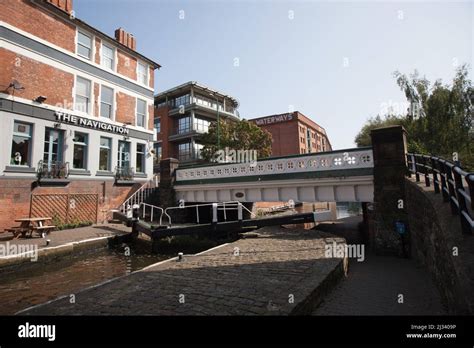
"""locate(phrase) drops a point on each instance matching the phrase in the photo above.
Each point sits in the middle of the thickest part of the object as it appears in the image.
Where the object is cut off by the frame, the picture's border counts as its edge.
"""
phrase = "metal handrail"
(124, 173)
(53, 169)
(223, 205)
(448, 179)
(145, 205)
(137, 197)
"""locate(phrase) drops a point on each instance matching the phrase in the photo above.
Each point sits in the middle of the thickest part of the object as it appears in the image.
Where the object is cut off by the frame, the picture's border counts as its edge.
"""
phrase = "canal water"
(39, 283)
(345, 210)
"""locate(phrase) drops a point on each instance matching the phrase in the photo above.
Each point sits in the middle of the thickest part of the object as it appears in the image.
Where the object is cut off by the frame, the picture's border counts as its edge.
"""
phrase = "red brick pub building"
(76, 107)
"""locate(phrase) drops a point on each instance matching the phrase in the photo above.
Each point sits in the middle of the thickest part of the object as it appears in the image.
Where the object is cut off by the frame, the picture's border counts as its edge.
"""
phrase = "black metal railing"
(52, 170)
(449, 179)
(124, 173)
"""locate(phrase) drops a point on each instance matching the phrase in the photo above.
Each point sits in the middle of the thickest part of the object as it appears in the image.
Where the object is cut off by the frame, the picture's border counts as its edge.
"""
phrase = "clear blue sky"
(296, 62)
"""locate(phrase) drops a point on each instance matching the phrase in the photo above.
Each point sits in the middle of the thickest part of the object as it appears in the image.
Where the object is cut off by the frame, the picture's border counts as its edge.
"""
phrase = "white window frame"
(146, 114)
(90, 103)
(91, 58)
(112, 109)
(147, 68)
(114, 56)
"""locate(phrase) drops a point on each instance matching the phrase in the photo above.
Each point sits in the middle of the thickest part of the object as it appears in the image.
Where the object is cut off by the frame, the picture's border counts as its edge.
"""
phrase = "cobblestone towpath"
(373, 287)
(280, 272)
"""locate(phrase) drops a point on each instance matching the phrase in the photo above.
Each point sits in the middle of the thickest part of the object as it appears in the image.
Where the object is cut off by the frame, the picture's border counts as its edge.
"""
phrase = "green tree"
(439, 120)
(236, 135)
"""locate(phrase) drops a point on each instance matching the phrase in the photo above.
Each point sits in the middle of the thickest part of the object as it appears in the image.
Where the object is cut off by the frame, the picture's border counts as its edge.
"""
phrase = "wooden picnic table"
(29, 225)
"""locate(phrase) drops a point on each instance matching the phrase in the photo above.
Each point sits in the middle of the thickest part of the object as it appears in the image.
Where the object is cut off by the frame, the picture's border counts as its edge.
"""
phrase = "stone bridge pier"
(389, 148)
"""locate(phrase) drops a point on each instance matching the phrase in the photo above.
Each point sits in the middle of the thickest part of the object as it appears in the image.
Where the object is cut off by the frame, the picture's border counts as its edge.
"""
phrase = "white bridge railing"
(336, 160)
(216, 207)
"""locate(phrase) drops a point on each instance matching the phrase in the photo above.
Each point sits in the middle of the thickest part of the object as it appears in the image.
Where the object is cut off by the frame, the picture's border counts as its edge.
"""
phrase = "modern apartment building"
(183, 113)
(76, 107)
(294, 133)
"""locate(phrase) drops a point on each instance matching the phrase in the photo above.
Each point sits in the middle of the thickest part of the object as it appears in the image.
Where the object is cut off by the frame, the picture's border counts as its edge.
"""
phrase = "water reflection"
(39, 283)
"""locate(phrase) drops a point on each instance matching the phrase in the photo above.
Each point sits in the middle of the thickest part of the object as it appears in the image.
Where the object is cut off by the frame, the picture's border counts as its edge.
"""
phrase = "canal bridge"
(337, 176)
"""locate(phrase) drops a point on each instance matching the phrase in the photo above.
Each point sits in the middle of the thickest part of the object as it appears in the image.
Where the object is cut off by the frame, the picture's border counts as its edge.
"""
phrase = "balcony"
(184, 133)
(53, 173)
(209, 111)
(124, 175)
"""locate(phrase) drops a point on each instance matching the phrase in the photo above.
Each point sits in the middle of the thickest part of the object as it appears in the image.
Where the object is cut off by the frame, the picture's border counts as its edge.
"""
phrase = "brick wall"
(98, 43)
(37, 78)
(434, 232)
(28, 17)
(166, 129)
(96, 99)
(127, 65)
(15, 197)
(285, 140)
(126, 108)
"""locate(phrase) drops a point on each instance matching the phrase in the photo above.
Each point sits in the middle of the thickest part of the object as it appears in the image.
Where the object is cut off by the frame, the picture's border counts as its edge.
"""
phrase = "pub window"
(140, 165)
(108, 57)
(84, 45)
(105, 153)
(80, 151)
(141, 113)
(123, 158)
(21, 144)
(106, 101)
(53, 146)
(83, 95)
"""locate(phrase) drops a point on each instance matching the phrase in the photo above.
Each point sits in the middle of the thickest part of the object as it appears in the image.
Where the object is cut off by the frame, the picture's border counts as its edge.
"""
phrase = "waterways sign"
(274, 119)
(88, 123)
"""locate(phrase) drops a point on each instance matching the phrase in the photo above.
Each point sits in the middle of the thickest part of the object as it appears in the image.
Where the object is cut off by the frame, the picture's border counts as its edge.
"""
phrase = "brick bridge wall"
(15, 197)
(434, 232)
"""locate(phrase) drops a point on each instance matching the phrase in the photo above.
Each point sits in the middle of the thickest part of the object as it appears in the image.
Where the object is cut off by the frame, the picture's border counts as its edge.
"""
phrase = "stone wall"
(434, 233)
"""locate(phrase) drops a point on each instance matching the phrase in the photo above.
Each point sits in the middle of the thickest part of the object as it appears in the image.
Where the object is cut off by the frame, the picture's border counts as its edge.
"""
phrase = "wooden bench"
(43, 229)
(17, 231)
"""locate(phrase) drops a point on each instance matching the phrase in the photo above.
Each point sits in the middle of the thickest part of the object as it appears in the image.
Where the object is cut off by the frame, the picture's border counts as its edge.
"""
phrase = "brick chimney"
(126, 39)
(65, 5)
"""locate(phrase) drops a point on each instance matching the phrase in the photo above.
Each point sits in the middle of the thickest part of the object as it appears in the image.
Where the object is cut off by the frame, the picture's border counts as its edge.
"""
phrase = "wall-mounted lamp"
(41, 99)
(57, 125)
(16, 85)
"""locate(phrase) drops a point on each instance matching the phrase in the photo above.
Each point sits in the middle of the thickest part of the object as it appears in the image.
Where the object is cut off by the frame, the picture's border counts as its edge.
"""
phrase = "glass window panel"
(142, 73)
(84, 45)
(108, 56)
(106, 101)
(141, 106)
(83, 87)
(83, 51)
(104, 155)
(123, 154)
(84, 40)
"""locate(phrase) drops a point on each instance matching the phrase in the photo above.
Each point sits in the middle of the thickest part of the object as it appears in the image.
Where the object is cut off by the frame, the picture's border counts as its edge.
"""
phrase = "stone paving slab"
(71, 235)
(252, 276)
